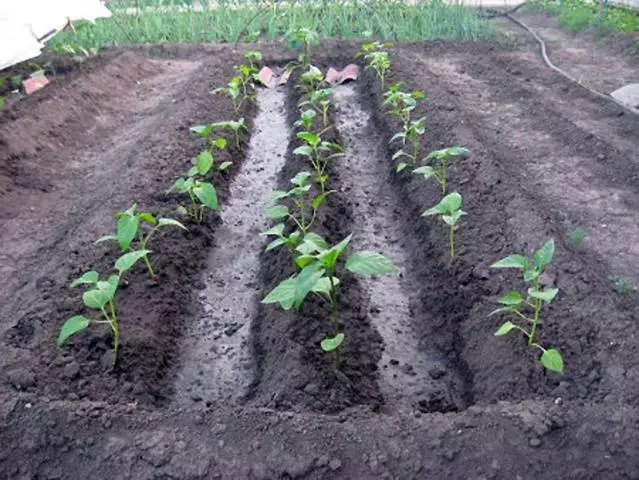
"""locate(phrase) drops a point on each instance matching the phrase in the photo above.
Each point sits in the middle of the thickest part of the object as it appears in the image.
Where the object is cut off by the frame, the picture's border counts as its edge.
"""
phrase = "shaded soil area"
(545, 159)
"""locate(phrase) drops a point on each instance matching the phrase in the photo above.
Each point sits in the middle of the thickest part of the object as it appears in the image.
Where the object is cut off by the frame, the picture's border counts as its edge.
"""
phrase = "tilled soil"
(425, 390)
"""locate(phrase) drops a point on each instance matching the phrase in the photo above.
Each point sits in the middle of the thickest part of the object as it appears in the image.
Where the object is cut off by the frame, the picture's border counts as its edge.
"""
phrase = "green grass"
(577, 15)
(352, 19)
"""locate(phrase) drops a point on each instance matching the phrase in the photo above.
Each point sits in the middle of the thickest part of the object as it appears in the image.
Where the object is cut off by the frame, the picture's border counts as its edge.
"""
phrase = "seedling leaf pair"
(449, 210)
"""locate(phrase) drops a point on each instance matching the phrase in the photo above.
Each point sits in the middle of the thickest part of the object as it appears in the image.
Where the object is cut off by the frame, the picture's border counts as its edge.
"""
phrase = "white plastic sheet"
(24, 22)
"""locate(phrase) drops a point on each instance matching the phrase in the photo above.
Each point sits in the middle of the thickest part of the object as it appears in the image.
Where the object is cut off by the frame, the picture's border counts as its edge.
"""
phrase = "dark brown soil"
(546, 158)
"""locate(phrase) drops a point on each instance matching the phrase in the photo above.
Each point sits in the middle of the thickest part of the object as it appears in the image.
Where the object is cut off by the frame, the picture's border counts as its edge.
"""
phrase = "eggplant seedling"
(310, 80)
(380, 63)
(254, 57)
(319, 152)
(516, 304)
(134, 231)
(303, 39)
(320, 100)
(439, 170)
(236, 126)
(411, 132)
(449, 209)
(201, 193)
(400, 104)
(100, 296)
(233, 90)
(318, 261)
(305, 122)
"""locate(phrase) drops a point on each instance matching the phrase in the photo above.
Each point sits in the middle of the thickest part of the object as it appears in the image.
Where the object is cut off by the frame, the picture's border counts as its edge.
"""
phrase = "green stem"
(444, 177)
(334, 315)
(537, 302)
(452, 241)
(116, 330)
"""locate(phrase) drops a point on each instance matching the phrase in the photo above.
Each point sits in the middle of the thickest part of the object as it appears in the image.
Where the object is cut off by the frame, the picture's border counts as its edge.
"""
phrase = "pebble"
(21, 378)
(335, 464)
(534, 442)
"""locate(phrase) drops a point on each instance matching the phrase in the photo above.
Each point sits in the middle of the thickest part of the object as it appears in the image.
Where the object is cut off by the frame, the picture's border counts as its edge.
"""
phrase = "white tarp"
(23, 23)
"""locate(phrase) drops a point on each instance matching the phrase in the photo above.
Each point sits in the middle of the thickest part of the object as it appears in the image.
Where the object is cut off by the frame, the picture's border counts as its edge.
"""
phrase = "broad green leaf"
(130, 211)
(323, 285)
(163, 222)
(451, 203)
(193, 171)
(88, 278)
(178, 186)
(301, 178)
(277, 211)
(304, 259)
(552, 360)
(107, 238)
(397, 136)
(299, 191)
(95, 298)
(284, 294)
(511, 261)
(126, 261)
(331, 343)
(316, 241)
(401, 166)
(204, 162)
(511, 298)
(399, 154)
(275, 243)
(224, 166)
(311, 138)
(127, 229)
(543, 256)
(201, 130)
(447, 153)
(369, 263)
(304, 150)
(72, 326)
(219, 142)
(205, 192)
(318, 200)
(329, 257)
(148, 218)
(109, 287)
(547, 295)
(276, 195)
(426, 171)
(306, 280)
(512, 308)
(504, 329)
(277, 230)
(453, 218)
(530, 274)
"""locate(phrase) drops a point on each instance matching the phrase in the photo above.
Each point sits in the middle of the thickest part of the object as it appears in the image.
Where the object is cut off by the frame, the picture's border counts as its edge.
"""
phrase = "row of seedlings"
(135, 229)
(524, 309)
(316, 264)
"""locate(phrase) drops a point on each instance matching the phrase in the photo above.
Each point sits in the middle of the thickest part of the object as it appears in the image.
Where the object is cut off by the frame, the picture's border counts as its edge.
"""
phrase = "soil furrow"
(216, 364)
(414, 372)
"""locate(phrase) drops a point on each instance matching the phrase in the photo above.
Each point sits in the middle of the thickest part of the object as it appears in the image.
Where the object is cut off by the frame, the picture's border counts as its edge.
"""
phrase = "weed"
(100, 297)
(318, 261)
(622, 284)
(439, 170)
(516, 303)
(411, 132)
(577, 237)
(449, 209)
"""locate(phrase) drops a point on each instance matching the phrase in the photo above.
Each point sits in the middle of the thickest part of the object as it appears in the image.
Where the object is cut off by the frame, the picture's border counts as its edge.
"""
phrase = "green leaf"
(316, 241)
(284, 294)
(511, 298)
(205, 192)
(95, 298)
(126, 261)
(202, 130)
(148, 218)
(323, 285)
(224, 166)
(301, 178)
(401, 166)
(277, 211)
(504, 329)
(426, 171)
(369, 263)
(547, 295)
(318, 200)
(88, 278)
(178, 186)
(400, 153)
(72, 326)
(543, 256)
(304, 259)
(397, 136)
(277, 230)
(106, 238)
(193, 171)
(530, 274)
(331, 343)
(305, 150)
(204, 162)
(311, 138)
(504, 309)
(163, 222)
(329, 257)
(275, 243)
(127, 229)
(447, 153)
(276, 195)
(448, 205)
(305, 282)
(453, 218)
(109, 287)
(511, 261)
(219, 142)
(552, 360)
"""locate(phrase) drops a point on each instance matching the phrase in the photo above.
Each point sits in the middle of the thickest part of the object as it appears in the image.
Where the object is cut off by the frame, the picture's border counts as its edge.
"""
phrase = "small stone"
(21, 378)
(107, 359)
(71, 370)
(534, 442)
(322, 461)
(312, 389)
(335, 464)
(436, 373)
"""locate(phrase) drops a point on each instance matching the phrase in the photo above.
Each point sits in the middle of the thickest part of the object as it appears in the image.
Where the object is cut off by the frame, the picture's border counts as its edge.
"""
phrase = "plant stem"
(443, 177)
(531, 338)
(149, 267)
(452, 241)
(334, 314)
(116, 331)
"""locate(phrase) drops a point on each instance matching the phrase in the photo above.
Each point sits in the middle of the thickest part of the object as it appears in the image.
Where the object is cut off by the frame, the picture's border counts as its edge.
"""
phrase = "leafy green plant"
(134, 231)
(319, 152)
(310, 80)
(235, 126)
(622, 284)
(370, 47)
(241, 87)
(318, 261)
(411, 132)
(321, 101)
(449, 209)
(577, 237)
(100, 296)
(254, 58)
(302, 39)
(516, 303)
(201, 193)
(233, 90)
(400, 104)
(380, 63)
(305, 122)
(439, 170)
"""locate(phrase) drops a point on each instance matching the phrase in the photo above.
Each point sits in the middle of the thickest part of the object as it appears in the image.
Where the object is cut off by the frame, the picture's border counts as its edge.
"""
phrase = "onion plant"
(518, 304)
(439, 170)
(449, 209)
(134, 231)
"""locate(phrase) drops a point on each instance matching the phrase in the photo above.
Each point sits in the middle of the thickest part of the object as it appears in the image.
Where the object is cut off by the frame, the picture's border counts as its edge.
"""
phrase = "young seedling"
(380, 63)
(201, 193)
(233, 90)
(412, 133)
(246, 75)
(321, 102)
(100, 296)
(319, 152)
(318, 261)
(236, 126)
(305, 122)
(370, 47)
(311, 80)
(517, 304)
(254, 58)
(303, 39)
(449, 209)
(439, 169)
(400, 104)
(134, 231)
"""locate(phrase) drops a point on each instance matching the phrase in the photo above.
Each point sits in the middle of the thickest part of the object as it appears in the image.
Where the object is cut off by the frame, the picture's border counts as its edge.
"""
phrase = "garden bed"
(211, 382)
